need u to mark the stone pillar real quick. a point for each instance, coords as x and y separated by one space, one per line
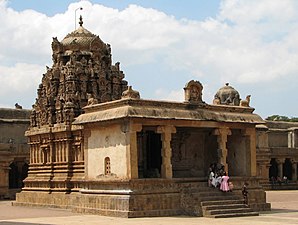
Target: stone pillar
166 151
294 170
251 151
268 165
280 167
291 138
222 138
4 178
132 148
86 136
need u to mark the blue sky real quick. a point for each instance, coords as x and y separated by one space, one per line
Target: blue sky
163 44
191 9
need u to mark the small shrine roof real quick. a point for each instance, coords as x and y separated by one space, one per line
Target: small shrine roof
164 110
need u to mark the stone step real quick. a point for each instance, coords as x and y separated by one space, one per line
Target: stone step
219 207
234 215
203 194
228 211
218 198
220 202
218 193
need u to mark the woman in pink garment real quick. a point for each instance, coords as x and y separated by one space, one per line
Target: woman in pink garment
224 186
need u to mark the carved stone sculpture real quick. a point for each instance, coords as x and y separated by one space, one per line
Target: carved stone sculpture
245 102
82 67
130 93
193 92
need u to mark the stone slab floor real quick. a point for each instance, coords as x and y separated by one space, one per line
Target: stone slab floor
284 211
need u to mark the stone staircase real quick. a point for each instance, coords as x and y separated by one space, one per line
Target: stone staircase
226 208
211 202
219 204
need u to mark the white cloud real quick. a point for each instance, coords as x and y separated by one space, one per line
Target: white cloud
18 83
248 43
254 11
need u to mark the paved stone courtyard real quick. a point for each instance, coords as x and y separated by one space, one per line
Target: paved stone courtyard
284 211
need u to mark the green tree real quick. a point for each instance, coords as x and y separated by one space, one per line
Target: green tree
282 118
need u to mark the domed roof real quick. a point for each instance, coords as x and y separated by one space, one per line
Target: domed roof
228 95
227 89
82 39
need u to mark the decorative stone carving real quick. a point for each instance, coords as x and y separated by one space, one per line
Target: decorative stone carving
245 102
130 93
81 69
193 92
227 95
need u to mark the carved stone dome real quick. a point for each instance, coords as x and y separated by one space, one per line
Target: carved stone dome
82 39
227 95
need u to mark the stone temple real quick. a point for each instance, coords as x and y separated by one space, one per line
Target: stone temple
97 147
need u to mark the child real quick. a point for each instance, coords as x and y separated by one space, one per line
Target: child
245 193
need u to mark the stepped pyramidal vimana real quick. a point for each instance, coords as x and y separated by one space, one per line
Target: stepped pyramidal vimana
97 147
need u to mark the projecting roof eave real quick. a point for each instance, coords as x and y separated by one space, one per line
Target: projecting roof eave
163 110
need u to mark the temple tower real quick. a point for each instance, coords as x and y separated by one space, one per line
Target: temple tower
82 71
82 74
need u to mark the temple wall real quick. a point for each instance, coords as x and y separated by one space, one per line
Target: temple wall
262 139
14 150
189 155
210 151
278 138
107 142
237 154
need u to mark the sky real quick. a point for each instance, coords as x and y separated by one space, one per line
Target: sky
161 45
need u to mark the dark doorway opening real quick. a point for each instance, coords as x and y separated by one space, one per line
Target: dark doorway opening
14 176
273 170
152 155
287 169
17 173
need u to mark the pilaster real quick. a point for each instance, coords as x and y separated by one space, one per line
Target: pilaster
132 149
251 150
280 167
222 138
294 170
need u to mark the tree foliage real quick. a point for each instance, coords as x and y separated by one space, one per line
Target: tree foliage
282 118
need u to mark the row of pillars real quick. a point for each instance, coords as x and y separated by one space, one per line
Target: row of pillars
166 151
280 163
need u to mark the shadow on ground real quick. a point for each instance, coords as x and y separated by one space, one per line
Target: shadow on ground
275 211
19 223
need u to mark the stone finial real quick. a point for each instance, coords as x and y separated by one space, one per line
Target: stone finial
81 21
130 93
193 92
245 102
227 95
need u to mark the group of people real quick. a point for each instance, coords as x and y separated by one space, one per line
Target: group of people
218 178
278 180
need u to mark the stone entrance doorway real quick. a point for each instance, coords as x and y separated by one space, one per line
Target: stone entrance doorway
150 156
18 171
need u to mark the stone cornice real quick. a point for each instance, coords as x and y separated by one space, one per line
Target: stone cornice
150 109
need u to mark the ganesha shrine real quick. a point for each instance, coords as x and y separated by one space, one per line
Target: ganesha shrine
97 147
